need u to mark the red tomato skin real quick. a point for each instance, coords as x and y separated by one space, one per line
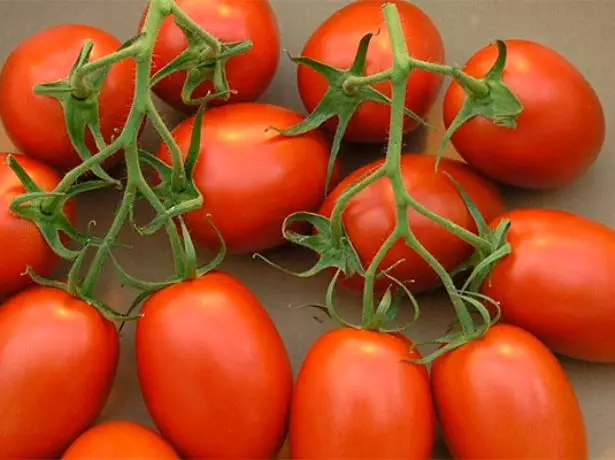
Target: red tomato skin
252 179
371 216
335 43
506 396
250 73
48 56
356 398
58 359
214 371
21 243
120 440
558 282
558 135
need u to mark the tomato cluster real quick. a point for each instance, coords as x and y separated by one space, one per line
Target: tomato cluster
213 369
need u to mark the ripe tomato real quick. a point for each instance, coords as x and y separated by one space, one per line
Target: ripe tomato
250 73
252 179
558 282
356 398
58 358
335 43
21 243
559 134
48 56
214 372
506 396
371 216
119 440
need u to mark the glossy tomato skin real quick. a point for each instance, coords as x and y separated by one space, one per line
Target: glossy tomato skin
249 73
48 56
335 43
355 397
371 216
21 243
214 372
120 440
506 396
559 134
252 178
58 359
557 283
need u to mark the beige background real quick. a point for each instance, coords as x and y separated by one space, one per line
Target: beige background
583 30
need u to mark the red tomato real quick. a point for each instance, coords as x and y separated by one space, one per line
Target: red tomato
335 43
506 396
214 372
119 440
252 179
21 243
371 217
250 73
558 282
58 358
46 57
559 134
356 398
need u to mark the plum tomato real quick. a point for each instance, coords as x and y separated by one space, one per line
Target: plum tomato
335 43
370 218
559 134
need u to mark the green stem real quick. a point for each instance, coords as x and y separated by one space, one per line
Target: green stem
188 25
472 84
110 59
352 83
178 180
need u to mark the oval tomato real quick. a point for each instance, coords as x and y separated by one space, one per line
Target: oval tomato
252 178
558 282
371 217
119 440
58 358
249 73
335 43
36 124
506 396
21 243
355 397
559 134
214 372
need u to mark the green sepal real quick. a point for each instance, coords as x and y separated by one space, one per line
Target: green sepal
337 101
499 104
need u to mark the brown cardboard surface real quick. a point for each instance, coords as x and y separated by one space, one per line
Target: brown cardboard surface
583 30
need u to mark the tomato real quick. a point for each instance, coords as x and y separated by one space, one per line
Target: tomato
36 124
371 217
335 43
58 359
355 397
21 243
558 282
558 135
249 73
506 396
119 440
252 178
214 372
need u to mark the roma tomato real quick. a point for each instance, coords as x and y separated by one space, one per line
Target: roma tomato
252 178
21 243
214 372
355 397
558 135
58 359
371 217
48 56
558 282
335 43
120 440
506 396
249 74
